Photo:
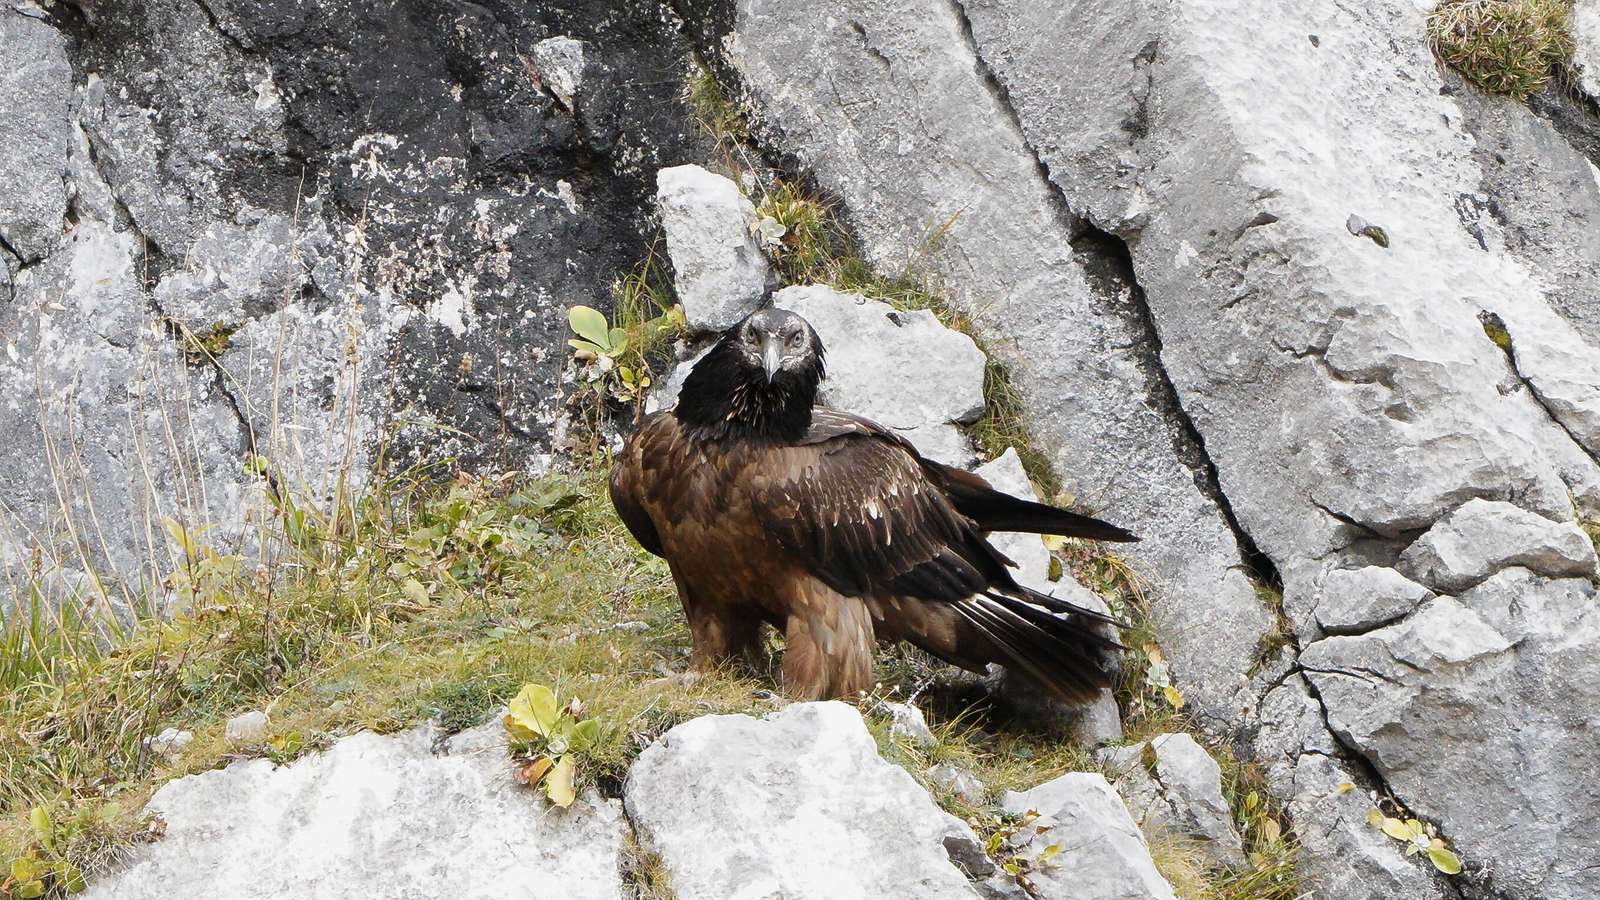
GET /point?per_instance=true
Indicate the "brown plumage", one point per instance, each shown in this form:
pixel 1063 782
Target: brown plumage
pixel 771 509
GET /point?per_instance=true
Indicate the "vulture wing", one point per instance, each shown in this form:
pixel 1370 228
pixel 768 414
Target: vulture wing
pixel 628 479
pixel 871 518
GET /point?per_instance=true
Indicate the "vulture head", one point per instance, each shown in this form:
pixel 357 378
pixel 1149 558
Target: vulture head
pixel 760 381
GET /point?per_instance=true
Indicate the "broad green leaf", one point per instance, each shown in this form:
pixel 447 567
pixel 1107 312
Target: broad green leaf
pixel 558 784
pixel 535 709
pixel 587 346
pixel 617 341
pixel 1444 860
pixel 585 735
pixel 43 830
pixel 589 323
pixel 30 890
pixel 23 868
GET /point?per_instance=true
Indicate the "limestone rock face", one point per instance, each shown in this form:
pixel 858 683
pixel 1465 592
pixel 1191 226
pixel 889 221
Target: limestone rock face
pixel 797 804
pixel 718 268
pixel 374 816
pixel 1586 33
pixel 1100 854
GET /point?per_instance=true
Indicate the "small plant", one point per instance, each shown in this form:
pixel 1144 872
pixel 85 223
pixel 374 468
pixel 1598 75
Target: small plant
pixel 710 106
pixel 550 737
pixel 207 345
pixel 42 867
pixel 1418 838
pixel 797 230
pixel 1504 46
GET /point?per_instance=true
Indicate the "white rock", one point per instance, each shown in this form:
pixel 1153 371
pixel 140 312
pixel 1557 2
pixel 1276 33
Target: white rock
pixel 958 781
pixel 1356 600
pixel 1100 853
pixel 1484 536
pixel 795 805
pixel 35 95
pixel 559 61
pixel 909 723
pixel 171 741
pixel 246 728
pixel 718 269
pixel 900 369
pixel 1586 33
pixel 374 817
pixel 1182 797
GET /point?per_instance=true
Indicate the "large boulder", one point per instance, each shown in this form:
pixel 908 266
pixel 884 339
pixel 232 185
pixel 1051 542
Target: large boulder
pixel 374 816
pixel 1080 843
pixel 797 804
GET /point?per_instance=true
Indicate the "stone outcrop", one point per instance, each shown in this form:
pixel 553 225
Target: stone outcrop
pixel 1082 844
pixel 1177 791
pixel 719 271
pixel 374 816
pixel 797 804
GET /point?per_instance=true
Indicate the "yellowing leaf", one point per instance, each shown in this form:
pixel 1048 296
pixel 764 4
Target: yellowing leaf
pixel 558 784
pixel 532 772
pixel 1047 854
pixel 1154 652
pixel 1375 818
pixel 1173 695
pixel 1396 829
pixel 1345 787
pixel 534 709
pixel 30 890
pixel 1444 860
pixel 1271 831
pixel 23 869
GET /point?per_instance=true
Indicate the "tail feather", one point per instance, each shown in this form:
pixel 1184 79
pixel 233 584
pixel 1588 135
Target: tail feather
pixel 995 511
pixel 1068 655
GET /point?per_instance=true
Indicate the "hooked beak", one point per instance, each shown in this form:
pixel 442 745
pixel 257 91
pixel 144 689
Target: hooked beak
pixel 771 357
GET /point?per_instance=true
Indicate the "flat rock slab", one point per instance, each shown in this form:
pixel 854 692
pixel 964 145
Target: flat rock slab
pixel 1482 537
pixel 374 816
pixel 795 805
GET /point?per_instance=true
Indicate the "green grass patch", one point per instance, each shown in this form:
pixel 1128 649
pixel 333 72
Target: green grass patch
pixel 1503 46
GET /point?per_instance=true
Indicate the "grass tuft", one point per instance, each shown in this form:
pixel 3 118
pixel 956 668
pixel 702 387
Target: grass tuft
pixel 1504 46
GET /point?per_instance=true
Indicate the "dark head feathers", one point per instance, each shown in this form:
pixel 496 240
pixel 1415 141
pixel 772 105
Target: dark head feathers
pixel 759 381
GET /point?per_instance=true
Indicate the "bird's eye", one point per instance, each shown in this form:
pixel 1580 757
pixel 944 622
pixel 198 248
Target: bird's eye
pixel 751 338
pixel 796 339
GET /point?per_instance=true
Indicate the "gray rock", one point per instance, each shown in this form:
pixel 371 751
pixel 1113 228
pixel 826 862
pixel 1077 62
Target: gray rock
pixel 1356 600
pixel 901 369
pixel 1483 537
pixel 35 93
pixel 1467 689
pixel 852 825
pixel 560 64
pixel 1099 852
pixel 966 849
pixel 897 120
pixel 958 781
pixel 246 728
pixel 1180 796
pixel 374 816
pixel 718 268
pixel 1341 852
pixel 1586 34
